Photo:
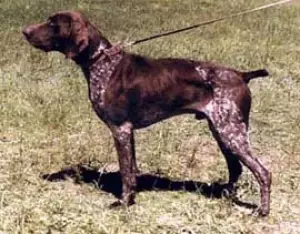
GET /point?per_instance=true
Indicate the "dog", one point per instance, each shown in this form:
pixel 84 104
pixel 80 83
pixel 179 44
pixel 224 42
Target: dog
pixel 129 92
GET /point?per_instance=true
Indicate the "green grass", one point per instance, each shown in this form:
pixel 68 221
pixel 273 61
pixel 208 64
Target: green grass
pixel 47 123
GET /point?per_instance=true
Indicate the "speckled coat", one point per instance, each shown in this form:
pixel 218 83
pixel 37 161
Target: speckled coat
pixel 129 91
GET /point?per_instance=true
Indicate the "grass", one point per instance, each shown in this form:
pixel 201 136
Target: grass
pixel 47 124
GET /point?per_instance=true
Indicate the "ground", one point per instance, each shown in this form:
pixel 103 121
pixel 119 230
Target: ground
pixel 53 148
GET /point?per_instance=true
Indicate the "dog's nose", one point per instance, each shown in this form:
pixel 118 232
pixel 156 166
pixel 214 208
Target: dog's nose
pixel 26 32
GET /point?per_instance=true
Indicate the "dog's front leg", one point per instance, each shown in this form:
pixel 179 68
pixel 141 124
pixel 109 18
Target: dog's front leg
pixel 124 142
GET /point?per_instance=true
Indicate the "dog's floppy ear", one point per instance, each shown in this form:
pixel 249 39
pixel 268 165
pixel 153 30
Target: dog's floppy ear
pixel 74 29
pixel 80 37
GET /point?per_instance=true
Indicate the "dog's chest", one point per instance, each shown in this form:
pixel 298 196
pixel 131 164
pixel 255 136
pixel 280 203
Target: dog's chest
pixel 98 79
pixel 98 76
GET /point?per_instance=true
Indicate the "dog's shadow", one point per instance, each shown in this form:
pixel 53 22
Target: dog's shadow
pixel 110 182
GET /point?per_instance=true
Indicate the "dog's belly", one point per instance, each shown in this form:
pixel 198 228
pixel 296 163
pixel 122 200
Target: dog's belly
pixel 139 117
pixel 147 116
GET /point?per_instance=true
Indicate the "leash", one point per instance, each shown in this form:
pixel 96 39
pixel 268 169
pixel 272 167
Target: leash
pixel 206 23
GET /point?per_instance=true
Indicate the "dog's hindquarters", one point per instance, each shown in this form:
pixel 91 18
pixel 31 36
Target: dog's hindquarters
pixel 228 121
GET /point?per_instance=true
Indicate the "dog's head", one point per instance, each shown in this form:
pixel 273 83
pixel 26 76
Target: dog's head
pixel 68 32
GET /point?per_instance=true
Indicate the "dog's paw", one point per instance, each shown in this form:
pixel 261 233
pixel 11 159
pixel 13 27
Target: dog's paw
pixel 116 204
pixel 122 203
pixel 229 191
pixel 261 211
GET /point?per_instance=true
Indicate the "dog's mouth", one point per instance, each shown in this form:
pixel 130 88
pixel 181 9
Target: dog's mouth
pixel 45 49
pixel 26 35
pixel 33 40
pixel 39 46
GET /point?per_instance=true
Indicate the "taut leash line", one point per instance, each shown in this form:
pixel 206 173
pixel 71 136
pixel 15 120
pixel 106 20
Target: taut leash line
pixel 208 22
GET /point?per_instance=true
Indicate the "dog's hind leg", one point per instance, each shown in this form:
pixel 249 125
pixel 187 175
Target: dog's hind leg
pixel 230 130
pixel 233 162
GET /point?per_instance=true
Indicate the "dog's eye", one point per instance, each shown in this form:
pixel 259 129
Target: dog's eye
pixel 51 24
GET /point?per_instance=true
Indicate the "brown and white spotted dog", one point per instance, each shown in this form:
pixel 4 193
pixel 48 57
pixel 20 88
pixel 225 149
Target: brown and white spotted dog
pixel 129 92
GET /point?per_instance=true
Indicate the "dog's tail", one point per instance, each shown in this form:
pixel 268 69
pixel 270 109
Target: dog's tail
pixel 247 76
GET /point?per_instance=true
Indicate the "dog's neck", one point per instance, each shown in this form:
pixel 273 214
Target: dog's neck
pixel 97 43
pixel 98 62
pixel 99 69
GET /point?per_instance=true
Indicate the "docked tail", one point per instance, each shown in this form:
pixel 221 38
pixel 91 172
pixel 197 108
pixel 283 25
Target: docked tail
pixel 247 76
